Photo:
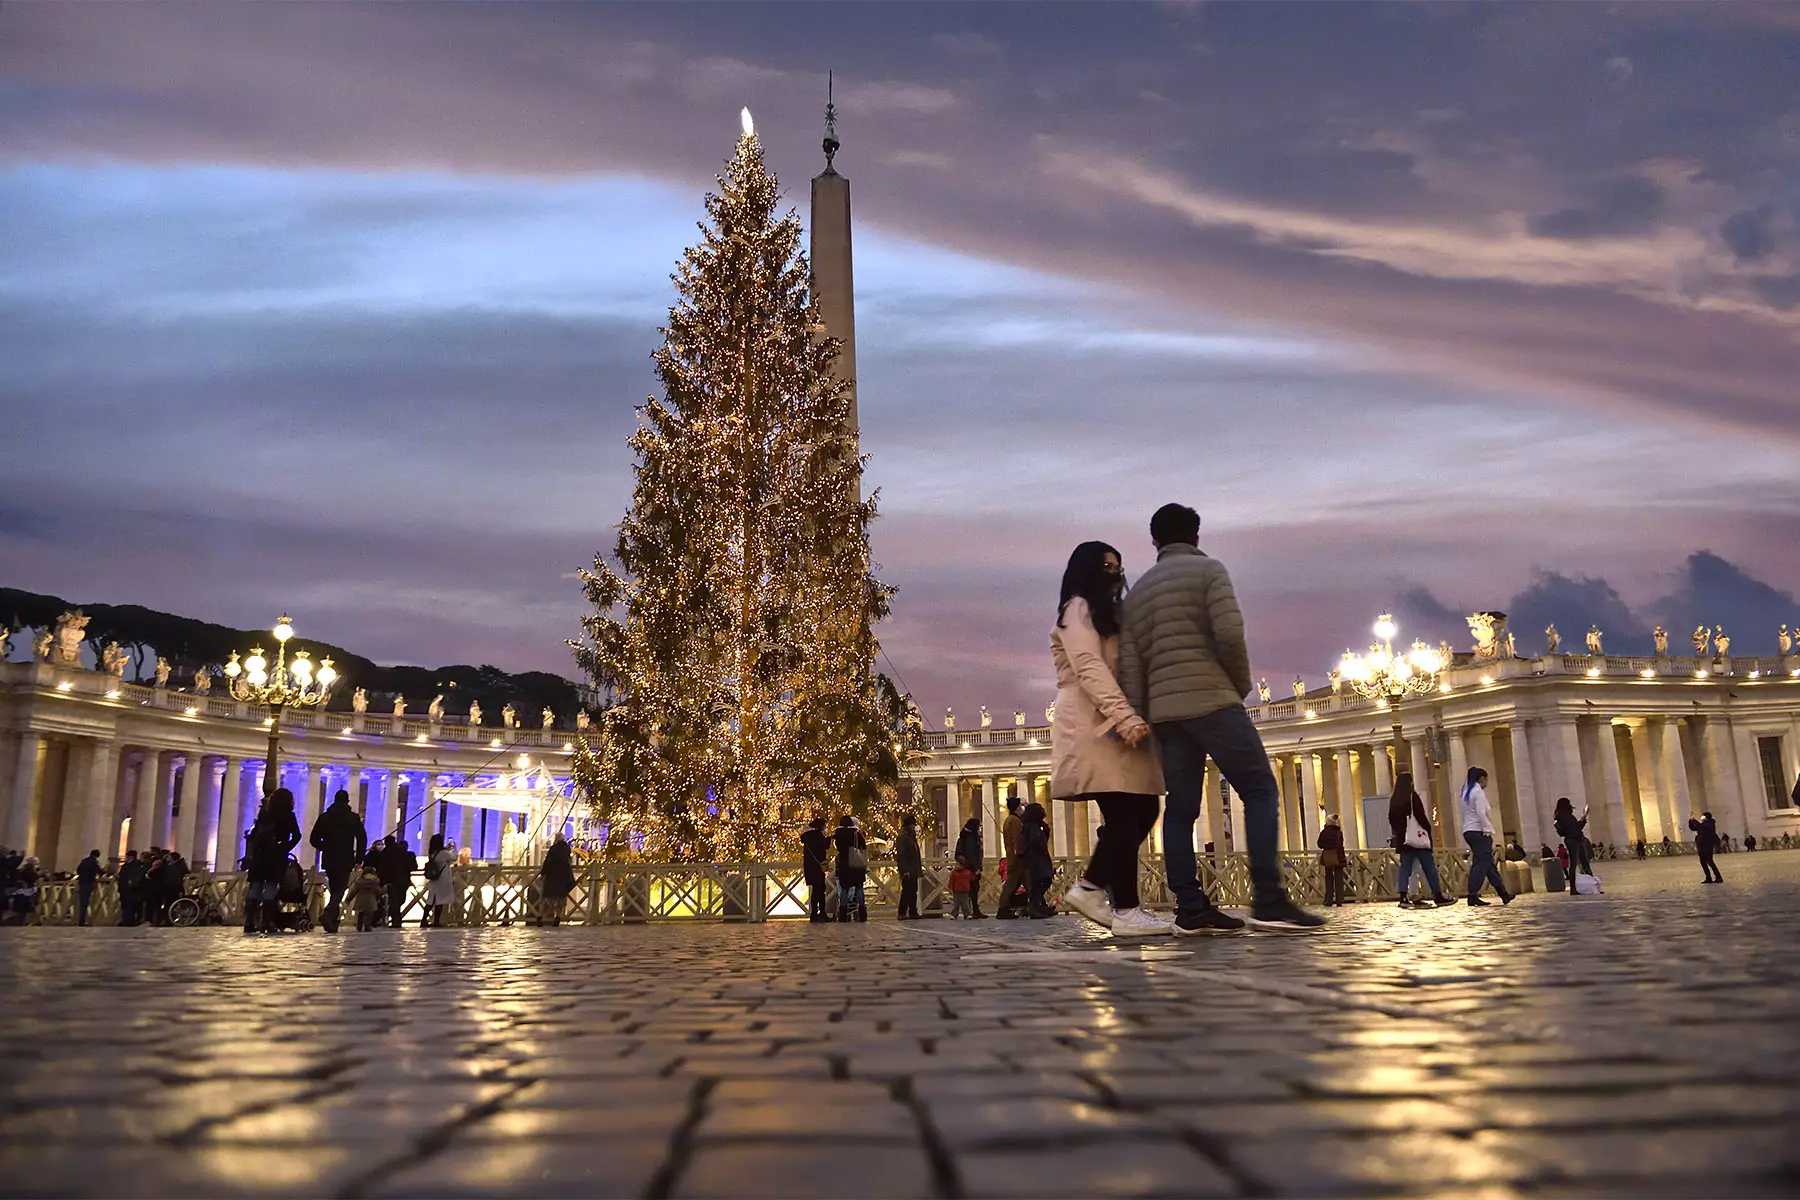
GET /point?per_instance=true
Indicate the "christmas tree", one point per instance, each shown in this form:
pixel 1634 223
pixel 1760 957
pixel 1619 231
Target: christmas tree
pixel 735 621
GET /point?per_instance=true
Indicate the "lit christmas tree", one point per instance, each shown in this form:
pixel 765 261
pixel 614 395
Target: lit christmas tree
pixel 735 621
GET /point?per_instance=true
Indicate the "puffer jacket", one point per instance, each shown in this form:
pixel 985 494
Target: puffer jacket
pixel 1181 647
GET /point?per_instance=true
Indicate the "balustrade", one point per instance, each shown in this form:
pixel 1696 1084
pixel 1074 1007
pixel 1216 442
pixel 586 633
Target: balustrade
pixel 645 893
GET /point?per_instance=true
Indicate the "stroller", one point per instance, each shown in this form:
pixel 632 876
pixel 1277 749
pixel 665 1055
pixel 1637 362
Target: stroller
pixel 293 901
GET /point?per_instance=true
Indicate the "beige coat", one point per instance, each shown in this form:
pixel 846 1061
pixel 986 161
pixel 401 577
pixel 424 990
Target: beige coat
pixel 1089 706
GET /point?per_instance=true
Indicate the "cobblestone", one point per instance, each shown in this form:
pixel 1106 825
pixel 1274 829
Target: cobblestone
pixel 1640 1043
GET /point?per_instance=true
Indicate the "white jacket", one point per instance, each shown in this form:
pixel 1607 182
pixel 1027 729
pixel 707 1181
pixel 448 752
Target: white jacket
pixel 1476 816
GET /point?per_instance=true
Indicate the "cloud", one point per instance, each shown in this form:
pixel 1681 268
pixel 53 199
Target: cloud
pixel 1716 592
pixel 1748 233
pixel 864 99
pixel 1618 208
pixel 966 45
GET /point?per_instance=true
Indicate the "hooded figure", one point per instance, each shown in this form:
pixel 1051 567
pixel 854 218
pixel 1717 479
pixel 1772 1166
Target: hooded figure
pixel 815 848
pixel 558 877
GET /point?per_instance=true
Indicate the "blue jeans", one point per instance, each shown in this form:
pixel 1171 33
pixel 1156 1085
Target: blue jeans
pixel 1229 738
pixel 850 899
pixel 1426 862
pixel 261 889
pixel 1482 868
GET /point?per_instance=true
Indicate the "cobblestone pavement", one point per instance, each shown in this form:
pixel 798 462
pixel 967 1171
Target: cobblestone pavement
pixel 1641 1043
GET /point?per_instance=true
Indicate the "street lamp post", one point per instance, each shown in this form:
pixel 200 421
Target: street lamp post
pixel 1384 675
pixel 289 685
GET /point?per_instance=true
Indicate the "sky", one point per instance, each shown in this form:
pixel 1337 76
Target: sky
pixel 344 310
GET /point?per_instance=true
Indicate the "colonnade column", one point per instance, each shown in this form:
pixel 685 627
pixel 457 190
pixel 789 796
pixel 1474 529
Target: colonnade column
pixel 162 811
pixel 990 817
pixel 1213 801
pixel 1601 783
pixel 306 810
pixel 1384 769
pixel 1349 800
pixel 93 806
pixel 1418 761
pixel 216 798
pixel 143 808
pixel 1314 771
pixel 1673 800
pixel 1730 801
pixel 1531 744
pixel 188 803
pixel 28 769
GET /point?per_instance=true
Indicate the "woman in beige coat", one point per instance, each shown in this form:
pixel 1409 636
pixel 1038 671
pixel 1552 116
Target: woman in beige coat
pixel 1101 749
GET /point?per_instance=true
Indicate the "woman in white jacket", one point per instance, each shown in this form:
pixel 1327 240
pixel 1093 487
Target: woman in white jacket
pixel 1478 832
pixel 1101 748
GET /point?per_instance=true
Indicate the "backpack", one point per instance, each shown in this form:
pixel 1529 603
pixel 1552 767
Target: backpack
pixel 433 868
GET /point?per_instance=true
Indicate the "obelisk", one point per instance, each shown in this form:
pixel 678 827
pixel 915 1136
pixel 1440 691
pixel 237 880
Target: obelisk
pixel 832 277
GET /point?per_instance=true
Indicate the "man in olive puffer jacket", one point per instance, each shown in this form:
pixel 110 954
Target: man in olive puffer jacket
pixel 1184 666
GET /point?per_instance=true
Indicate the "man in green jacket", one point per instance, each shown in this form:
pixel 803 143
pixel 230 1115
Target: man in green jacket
pixel 1184 666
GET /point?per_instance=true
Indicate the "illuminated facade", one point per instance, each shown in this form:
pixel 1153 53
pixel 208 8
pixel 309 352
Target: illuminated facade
pixel 88 762
pixel 1641 742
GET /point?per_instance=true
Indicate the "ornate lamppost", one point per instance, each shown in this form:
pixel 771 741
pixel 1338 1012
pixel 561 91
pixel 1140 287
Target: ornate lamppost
pixel 1382 674
pixel 289 685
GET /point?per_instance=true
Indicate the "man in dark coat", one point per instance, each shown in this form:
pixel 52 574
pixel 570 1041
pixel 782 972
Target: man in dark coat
pixel 339 837
pixel 1706 841
pixel 1015 880
pixel 910 864
pixel 87 878
pixel 398 865
pixel 815 846
pixel 558 877
pixel 174 883
pixel 131 888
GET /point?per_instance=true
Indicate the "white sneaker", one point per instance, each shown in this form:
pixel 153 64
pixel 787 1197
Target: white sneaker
pixel 1140 923
pixel 1090 902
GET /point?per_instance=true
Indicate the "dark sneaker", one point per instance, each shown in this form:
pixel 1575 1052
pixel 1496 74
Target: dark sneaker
pixel 1006 914
pixel 1507 898
pixel 1203 922
pixel 1284 916
pixel 1478 902
pixel 1445 901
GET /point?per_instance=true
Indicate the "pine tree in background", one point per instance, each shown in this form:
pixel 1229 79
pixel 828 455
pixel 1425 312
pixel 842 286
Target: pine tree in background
pixel 736 620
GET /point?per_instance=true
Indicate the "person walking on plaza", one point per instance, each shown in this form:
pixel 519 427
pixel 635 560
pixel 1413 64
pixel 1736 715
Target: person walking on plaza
pixel 1015 883
pixel 270 840
pixel 1706 841
pixel 1184 664
pixel 1411 828
pixel 558 877
pixel 815 849
pixel 1101 750
pixel 1036 864
pixel 1478 832
pixel 910 864
pixel 852 869
pixel 339 837
pixel 365 898
pixel 968 852
pixel 1573 831
pixel 173 884
pixel 1333 860
pixel 87 878
pixel 440 881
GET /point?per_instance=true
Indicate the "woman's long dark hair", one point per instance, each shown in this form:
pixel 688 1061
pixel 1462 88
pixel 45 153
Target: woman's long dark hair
pixel 1086 576
pixel 1400 803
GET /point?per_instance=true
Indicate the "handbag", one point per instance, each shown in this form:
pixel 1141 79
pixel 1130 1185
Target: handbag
pixel 856 859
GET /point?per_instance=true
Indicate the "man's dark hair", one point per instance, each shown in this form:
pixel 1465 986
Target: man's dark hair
pixel 1175 523
pixel 1013 803
pixel 341 795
